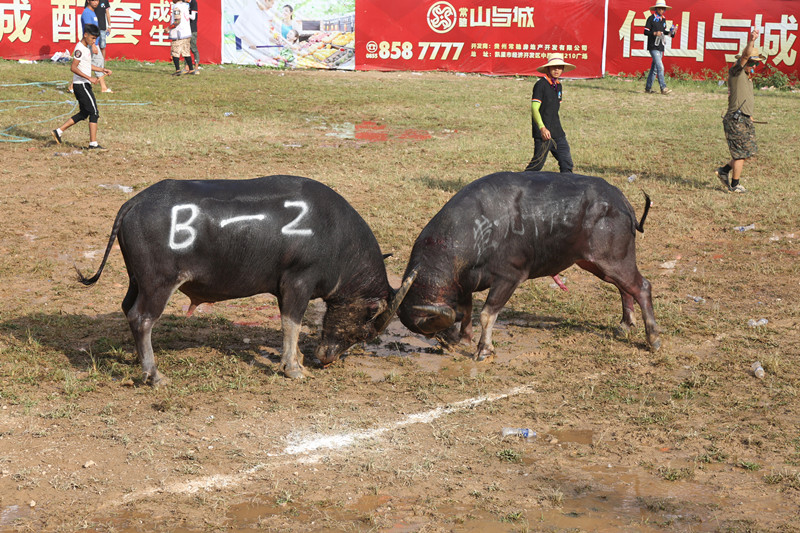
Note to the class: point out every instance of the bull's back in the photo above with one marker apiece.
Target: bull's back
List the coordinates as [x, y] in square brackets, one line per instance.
[534, 219]
[232, 238]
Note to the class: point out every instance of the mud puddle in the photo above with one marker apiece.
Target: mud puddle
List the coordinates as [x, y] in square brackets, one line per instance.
[593, 498]
[368, 131]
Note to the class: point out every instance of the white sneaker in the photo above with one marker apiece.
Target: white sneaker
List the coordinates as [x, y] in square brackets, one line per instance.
[739, 189]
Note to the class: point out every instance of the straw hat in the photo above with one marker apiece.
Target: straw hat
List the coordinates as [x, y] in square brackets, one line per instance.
[757, 55]
[556, 60]
[660, 3]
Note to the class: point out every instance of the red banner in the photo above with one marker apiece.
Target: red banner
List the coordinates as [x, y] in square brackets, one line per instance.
[709, 34]
[489, 36]
[495, 36]
[37, 29]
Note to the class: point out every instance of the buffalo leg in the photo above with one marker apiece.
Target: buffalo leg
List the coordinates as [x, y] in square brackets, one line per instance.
[628, 321]
[291, 358]
[143, 310]
[645, 299]
[631, 286]
[293, 301]
[461, 333]
[495, 301]
[485, 346]
[465, 308]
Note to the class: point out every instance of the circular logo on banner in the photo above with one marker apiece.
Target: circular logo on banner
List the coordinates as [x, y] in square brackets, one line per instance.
[372, 47]
[442, 17]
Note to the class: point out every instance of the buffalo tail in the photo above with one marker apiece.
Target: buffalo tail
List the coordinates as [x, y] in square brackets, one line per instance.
[114, 231]
[647, 202]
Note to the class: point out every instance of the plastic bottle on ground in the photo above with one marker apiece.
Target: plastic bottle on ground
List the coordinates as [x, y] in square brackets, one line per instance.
[757, 370]
[522, 432]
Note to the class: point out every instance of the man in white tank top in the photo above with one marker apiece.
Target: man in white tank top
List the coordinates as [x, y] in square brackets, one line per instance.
[82, 80]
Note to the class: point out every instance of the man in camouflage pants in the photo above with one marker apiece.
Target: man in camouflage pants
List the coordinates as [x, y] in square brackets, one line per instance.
[737, 122]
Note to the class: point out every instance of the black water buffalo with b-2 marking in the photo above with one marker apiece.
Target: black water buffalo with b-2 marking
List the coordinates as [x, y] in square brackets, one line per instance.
[221, 239]
[508, 227]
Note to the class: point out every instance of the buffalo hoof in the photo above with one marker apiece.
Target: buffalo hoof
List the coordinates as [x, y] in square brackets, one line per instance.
[655, 344]
[484, 354]
[623, 331]
[156, 379]
[448, 338]
[295, 373]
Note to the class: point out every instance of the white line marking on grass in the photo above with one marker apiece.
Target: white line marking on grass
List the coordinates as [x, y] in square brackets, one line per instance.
[314, 448]
[348, 439]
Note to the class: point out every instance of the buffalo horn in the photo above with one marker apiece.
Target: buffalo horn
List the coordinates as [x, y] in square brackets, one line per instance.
[440, 310]
[384, 318]
[440, 317]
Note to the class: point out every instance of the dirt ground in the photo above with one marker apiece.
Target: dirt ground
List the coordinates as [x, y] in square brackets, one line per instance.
[398, 436]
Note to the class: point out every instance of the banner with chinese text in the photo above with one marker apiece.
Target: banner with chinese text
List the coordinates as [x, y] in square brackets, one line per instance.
[37, 29]
[710, 34]
[495, 36]
[489, 36]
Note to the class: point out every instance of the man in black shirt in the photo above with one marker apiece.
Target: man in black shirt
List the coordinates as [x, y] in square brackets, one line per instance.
[548, 135]
[656, 29]
[104, 23]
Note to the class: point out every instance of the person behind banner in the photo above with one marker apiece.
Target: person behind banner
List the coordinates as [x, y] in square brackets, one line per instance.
[738, 122]
[82, 80]
[656, 29]
[193, 25]
[90, 16]
[180, 31]
[548, 135]
[103, 11]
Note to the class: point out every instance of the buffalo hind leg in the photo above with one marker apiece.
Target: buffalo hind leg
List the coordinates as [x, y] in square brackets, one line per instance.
[643, 294]
[628, 321]
[636, 287]
[142, 311]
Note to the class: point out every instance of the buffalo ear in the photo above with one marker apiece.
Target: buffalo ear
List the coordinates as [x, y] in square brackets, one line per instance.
[383, 320]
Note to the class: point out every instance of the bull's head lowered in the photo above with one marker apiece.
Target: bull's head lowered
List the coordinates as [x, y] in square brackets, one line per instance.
[357, 320]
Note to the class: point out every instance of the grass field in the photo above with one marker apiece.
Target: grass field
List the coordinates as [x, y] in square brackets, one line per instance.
[682, 440]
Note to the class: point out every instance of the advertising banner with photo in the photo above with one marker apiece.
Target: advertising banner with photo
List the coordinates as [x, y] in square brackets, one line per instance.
[709, 34]
[489, 36]
[294, 34]
[38, 29]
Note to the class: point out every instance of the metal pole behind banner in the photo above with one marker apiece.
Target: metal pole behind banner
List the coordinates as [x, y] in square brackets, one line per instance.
[605, 42]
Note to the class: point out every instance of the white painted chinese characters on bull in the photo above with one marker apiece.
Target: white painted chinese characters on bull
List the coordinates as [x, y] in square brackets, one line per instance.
[576, 220]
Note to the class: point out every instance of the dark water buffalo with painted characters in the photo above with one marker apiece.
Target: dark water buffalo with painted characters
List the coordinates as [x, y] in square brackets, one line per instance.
[509, 227]
[216, 240]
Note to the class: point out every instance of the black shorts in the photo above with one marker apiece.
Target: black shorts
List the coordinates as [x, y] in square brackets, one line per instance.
[86, 101]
